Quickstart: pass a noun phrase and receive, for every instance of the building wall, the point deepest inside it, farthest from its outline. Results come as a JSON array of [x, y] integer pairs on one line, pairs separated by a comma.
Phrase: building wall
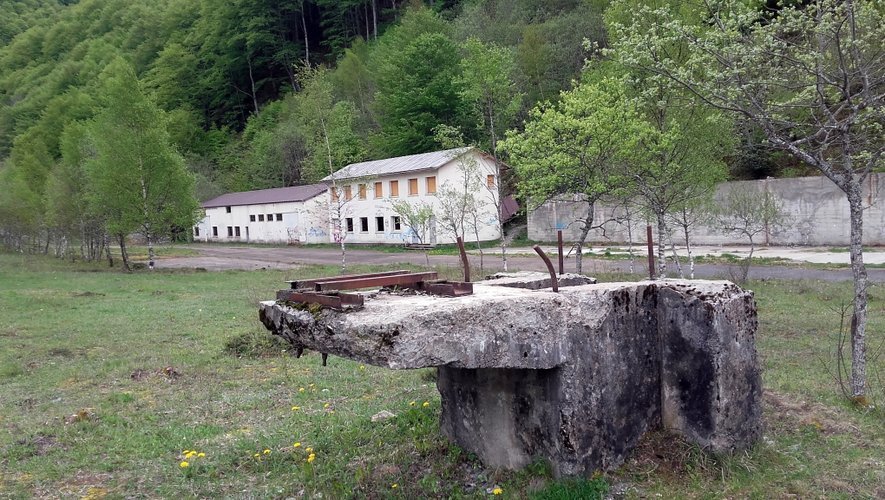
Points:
[[817, 209], [289, 222], [378, 205]]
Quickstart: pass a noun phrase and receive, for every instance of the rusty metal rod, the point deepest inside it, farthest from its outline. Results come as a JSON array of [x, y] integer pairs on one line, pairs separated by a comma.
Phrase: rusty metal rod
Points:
[[464, 261], [310, 283], [651, 253], [559, 247], [553, 280]]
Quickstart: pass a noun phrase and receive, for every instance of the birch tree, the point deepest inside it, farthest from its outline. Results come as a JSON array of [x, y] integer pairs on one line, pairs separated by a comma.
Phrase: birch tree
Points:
[[138, 182], [811, 77]]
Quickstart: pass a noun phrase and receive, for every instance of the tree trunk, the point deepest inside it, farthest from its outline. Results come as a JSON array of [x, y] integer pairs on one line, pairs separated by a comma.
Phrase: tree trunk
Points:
[[252, 82], [630, 245], [304, 27], [676, 259], [688, 249], [662, 258], [123, 254], [859, 318], [579, 247], [374, 20], [107, 248]]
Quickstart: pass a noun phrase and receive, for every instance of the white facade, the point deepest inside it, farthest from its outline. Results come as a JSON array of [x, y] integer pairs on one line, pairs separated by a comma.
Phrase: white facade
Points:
[[282, 222], [369, 217]]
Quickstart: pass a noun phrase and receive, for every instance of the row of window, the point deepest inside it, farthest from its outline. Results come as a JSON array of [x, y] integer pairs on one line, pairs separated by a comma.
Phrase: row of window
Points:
[[395, 224], [231, 231], [393, 188], [261, 217]]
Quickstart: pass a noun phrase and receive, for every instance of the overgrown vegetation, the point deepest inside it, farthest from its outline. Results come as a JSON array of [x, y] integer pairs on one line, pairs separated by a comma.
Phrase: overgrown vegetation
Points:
[[107, 379]]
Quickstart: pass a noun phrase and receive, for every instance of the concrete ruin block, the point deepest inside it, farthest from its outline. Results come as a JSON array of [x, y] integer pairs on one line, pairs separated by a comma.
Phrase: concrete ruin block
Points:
[[575, 377]]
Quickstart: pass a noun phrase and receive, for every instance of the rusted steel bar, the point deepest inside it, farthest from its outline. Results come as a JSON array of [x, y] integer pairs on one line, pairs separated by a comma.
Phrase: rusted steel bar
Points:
[[464, 263], [338, 301], [374, 281], [553, 279], [559, 247], [310, 283], [447, 288], [651, 253]]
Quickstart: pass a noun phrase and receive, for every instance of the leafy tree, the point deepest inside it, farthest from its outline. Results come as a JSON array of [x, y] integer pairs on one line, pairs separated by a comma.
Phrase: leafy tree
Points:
[[138, 181], [577, 146], [417, 92], [810, 77], [747, 212]]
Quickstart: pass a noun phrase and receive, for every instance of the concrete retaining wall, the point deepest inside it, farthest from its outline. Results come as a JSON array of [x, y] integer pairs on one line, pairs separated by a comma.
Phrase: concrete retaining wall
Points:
[[818, 213]]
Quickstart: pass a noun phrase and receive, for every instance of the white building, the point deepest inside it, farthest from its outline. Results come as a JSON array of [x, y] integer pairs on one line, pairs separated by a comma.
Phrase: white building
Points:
[[296, 214], [366, 192]]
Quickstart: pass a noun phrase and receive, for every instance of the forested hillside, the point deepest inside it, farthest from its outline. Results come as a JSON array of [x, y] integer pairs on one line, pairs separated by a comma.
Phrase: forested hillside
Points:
[[258, 94]]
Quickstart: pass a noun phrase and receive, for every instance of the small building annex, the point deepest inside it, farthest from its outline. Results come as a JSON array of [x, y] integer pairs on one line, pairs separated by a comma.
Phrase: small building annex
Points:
[[363, 195], [295, 214]]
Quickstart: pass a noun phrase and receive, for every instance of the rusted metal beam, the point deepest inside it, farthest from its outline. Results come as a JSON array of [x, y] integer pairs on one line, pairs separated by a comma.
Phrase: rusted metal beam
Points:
[[310, 283], [374, 281], [338, 301], [447, 288], [559, 248], [464, 262], [553, 279]]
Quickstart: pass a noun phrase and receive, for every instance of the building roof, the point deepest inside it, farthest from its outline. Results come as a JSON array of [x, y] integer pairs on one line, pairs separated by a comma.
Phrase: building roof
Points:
[[275, 195], [400, 164]]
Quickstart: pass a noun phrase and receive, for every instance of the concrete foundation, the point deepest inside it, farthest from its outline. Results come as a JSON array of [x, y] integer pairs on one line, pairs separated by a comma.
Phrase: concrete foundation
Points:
[[575, 377]]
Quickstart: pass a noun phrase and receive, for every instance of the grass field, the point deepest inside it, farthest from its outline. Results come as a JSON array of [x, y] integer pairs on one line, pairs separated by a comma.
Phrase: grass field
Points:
[[106, 379]]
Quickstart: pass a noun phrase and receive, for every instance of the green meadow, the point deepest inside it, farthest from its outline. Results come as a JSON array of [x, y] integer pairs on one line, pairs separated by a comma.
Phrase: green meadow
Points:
[[165, 385]]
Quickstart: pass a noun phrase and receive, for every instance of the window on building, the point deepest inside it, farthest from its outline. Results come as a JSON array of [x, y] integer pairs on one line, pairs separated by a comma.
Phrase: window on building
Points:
[[252, 218], [364, 224], [227, 209], [230, 231], [237, 231], [413, 187], [334, 193], [396, 223], [379, 224], [196, 231], [379, 190], [394, 189], [490, 181], [215, 231], [362, 191], [269, 217], [279, 216], [260, 217], [348, 194], [348, 222], [430, 184]]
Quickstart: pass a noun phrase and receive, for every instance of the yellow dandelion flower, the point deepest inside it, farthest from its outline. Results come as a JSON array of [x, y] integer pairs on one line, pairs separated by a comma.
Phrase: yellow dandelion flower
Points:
[[425, 404], [257, 455], [309, 450], [301, 389], [185, 452], [190, 454], [326, 405], [362, 367], [412, 403], [311, 458], [201, 454], [266, 451], [497, 491], [296, 408], [394, 486], [311, 385], [184, 464], [297, 445]]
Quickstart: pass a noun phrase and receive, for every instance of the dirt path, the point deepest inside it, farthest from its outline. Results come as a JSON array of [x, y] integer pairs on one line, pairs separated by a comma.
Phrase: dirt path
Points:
[[224, 257]]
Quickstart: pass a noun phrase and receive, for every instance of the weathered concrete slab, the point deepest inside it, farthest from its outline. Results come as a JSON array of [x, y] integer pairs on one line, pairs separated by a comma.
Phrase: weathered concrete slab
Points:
[[536, 281], [575, 377]]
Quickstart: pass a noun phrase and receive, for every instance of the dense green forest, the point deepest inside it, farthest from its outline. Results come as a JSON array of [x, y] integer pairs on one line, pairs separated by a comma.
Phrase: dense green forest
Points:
[[258, 94]]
